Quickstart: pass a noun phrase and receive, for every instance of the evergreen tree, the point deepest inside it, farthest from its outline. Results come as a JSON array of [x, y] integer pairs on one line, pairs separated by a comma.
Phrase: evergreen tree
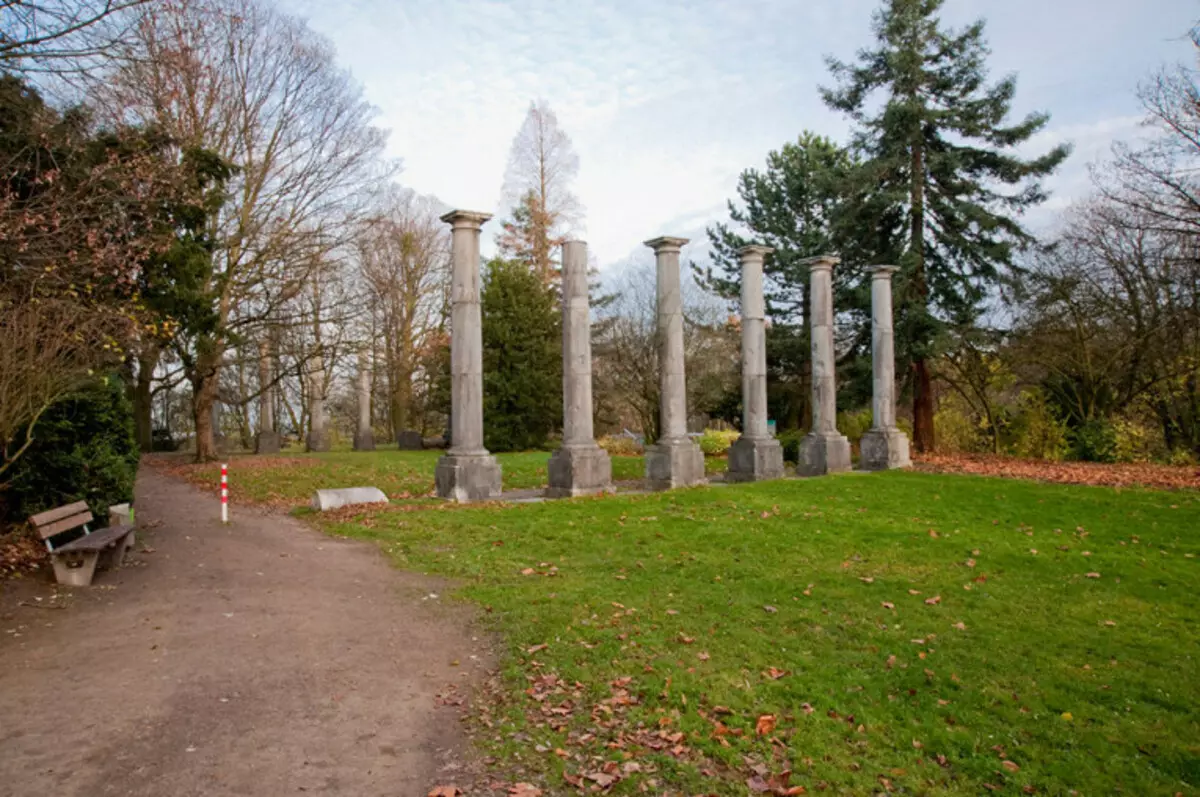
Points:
[[522, 357], [939, 152]]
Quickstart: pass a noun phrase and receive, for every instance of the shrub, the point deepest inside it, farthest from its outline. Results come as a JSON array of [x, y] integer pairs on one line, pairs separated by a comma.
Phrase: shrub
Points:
[[854, 424], [1182, 457], [84, 448], [1137, 441], [716, 442], [620, 445], [1095, 441], [790, 440], [957, 431], [1036, 431]]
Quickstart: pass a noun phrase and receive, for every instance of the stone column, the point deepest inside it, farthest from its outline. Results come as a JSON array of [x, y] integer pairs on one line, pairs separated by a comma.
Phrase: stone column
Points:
[[823, 450], [267, 439], [467, 472], [884, 446], [579, 467], [317, 440], [674, 461], [364, 435], [756, 455]]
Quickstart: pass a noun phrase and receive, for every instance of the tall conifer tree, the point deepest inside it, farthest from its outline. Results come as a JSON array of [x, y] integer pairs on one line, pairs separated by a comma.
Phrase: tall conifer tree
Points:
[[936, 145]]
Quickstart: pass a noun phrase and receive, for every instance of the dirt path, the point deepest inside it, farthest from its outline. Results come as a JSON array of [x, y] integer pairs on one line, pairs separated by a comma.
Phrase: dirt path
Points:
[[258, 659]]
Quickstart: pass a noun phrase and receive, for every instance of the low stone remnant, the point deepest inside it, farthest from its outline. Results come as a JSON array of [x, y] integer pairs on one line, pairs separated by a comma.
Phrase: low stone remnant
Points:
[[325, 500]]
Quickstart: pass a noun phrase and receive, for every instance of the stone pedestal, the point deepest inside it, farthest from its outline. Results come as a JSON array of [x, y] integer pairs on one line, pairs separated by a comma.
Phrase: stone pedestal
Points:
[[267, 443], [674, 461], [884, 446], [580, 467], [467, 472], [410, 440], [824, 449], [364, 435], [756, 455]]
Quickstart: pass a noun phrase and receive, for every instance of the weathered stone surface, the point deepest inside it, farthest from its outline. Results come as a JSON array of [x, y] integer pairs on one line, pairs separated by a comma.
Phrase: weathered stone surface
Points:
[[754, 459], [756, 455], [579, 467], [410, 440], [674, 463], [579, 470], [267, 443], [467, 472], [884, 446], [467, 477], [824, 449], [325, 500], [823, 453], [364, 435], [317, 439], [884, 449]]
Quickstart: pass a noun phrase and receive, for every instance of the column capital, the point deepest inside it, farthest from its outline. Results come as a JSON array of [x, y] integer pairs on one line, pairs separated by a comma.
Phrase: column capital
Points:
[[666, 243], [466, 219], [821, 262], [883, 272], [754, 251]]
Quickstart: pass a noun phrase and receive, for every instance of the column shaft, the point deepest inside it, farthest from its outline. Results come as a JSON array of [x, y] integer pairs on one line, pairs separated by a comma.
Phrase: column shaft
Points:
[[884, 446], [266, 397], [756, 455], [577, 346], [823, 450]]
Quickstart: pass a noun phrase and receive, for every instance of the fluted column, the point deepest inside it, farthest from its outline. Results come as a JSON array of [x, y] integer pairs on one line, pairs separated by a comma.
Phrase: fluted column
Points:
[[580, 466], [674, 461], [824, 449], [267, 439], [756, 455], [467, 472], [364, 435], [884, 446]]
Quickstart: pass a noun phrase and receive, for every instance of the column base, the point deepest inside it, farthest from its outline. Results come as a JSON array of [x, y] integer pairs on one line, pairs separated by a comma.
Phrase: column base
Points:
[[468, 477], [317, 441], [579, 470], [364, 441], [267, 443], [884, 449], [823, 452], [753, 459], [674, 463]]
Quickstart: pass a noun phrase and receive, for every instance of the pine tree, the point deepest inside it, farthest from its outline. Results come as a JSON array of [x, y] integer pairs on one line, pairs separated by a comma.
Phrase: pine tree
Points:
[[522, 357], [939, 151]]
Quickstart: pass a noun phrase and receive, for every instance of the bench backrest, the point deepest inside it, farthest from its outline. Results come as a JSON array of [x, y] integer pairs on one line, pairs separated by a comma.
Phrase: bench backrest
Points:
[[65, 518]]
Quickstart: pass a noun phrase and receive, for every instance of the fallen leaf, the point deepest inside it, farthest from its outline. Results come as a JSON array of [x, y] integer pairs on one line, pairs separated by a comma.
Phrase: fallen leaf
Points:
[[1093, 575], [536, 648], [917, 745], [774, 673], [770, 609], [934, 601], [703, 656], [685, 639], [970, 563], [867, 580], [887, 605], [960, 626], [765, 724], [529, 571], [757, 785], [891, 661], [1011, 766], [524, 790], [445, 791], [807, 708]]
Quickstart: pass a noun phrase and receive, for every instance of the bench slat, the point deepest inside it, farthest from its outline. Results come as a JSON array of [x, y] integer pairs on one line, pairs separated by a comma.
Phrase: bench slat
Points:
[[97, 540], [51, 515], [59, 526]]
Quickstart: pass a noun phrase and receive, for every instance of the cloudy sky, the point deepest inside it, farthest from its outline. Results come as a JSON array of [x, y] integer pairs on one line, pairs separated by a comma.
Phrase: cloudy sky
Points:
[[667, 101]]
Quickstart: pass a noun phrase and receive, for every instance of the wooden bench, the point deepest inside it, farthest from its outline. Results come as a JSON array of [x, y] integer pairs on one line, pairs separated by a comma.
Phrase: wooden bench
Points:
[[75, 561]]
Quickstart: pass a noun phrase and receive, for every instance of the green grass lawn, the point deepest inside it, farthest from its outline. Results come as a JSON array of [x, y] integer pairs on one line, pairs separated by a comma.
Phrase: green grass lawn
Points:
[[899, 633], [902, 633]]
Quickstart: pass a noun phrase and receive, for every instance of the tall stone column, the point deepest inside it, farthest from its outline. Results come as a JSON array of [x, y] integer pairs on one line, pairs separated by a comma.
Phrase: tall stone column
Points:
[[674, 461], [823, 450], [467, 472], [579, 467], [364, 435], [884, 446], [756, 455], [318, 439], [267, 439]]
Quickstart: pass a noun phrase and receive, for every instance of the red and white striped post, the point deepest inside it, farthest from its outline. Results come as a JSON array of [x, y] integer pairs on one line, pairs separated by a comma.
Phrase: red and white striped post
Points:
[[224, 493]]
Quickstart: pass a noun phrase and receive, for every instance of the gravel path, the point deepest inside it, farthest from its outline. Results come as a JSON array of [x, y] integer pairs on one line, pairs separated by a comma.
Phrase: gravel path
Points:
[[262, 658]]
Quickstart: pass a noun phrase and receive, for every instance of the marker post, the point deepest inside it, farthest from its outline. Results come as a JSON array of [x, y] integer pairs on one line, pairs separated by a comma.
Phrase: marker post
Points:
[[224, 492]]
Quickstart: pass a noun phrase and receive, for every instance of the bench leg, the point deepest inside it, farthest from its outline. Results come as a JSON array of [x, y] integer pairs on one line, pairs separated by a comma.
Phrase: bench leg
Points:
[[114, 556], [75, 569]]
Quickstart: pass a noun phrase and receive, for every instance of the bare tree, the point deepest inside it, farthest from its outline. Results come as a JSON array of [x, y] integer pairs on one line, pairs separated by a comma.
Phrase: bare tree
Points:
[[262, 91], [56, 35], [537, 184], [404, 252]]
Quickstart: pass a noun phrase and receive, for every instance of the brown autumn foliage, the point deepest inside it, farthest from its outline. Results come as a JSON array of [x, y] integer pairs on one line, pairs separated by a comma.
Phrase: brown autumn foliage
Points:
[[1124, 474]]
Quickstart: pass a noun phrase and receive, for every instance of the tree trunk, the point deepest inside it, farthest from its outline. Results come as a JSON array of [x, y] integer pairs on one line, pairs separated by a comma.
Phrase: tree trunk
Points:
[[143, 397], [923, 439], [204, 396]]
